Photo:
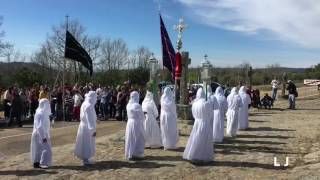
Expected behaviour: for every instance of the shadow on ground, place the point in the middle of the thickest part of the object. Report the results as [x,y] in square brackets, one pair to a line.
[232,141]
[105,165]
[243,148]
[227,152]
[306,109]
[263,136]
[240,164]
[261,114]
[32,172]
[268,129]
[257,121]
[163,158]
[179,149]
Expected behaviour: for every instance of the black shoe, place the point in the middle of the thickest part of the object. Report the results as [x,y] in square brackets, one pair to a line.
[36,165]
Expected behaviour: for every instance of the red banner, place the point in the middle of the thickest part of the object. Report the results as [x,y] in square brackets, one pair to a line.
[178,68]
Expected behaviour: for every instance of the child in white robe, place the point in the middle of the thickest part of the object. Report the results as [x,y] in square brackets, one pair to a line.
[220,106]
[151,127]
[41,153]
[135,135]
[244,110]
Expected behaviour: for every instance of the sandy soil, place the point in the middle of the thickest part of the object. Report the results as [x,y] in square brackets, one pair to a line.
[273,133]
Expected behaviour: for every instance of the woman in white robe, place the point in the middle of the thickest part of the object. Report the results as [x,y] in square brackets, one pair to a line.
[86,138]
[199,146]
[168,120]
[135,134]
[41,154]
[151,127]
[220,106]
[244,110]
[234,103]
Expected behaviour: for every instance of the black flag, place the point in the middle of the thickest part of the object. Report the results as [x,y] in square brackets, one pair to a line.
[168,53]
[74,50]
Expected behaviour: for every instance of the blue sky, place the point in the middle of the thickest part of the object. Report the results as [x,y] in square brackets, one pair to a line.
[230,33]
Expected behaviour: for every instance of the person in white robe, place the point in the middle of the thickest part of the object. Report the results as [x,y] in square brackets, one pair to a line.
[41,153]
[234,103]
[135,134]
[243,122]
[86,138]
[151,127]
[220,106]
[168,120]
[210,98]
[200,146]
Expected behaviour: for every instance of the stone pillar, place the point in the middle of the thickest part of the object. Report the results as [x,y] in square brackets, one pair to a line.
[284,81]
[184,94]
[184,108]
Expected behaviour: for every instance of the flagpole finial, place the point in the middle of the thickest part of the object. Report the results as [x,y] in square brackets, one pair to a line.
[67,22]
[180,28]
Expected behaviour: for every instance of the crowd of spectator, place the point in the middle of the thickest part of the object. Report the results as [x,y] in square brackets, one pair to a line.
[21,103]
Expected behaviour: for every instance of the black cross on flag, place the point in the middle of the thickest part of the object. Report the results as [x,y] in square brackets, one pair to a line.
[74,50]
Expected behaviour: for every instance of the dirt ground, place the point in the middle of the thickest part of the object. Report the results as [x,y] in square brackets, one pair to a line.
[273,133]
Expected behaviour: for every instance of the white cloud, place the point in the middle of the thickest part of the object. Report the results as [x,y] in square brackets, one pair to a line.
[296,21]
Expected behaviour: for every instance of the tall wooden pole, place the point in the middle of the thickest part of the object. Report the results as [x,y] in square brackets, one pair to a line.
[63,78]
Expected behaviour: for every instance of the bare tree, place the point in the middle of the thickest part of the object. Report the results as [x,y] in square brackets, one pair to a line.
[8,54]
[92,45]
[274,70]
[133,60]
[106,51]
[143,56]
[114,54]
[6,49]
[121,53]
[51,52]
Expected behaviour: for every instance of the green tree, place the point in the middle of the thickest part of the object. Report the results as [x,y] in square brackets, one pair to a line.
[139,76]
[26,77]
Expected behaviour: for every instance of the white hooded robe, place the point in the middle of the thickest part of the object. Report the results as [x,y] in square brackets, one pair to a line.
[151,127]
[220,106]
[234,103]
[199,146]
[244,110]
[210,100]
[41,151]
[168,120]
[86,141]
[135,135]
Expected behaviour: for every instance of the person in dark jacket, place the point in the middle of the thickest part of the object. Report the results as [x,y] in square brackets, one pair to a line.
[16,109]
[112,102]
[267,101]
[121,104]
[293,93]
